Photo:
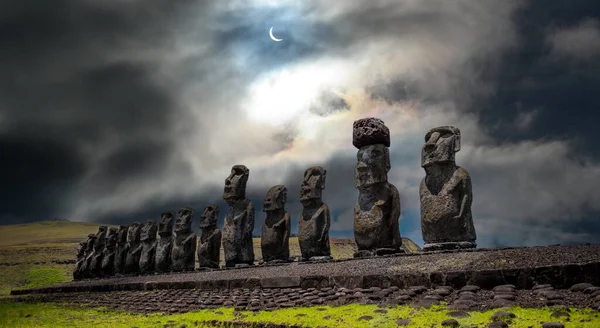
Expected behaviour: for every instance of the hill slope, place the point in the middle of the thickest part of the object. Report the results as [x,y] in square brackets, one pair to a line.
[45,232]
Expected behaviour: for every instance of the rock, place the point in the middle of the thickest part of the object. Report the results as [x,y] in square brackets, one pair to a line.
[591,290]
[450,323]
[458,314]
[510,297]
[275,236]
[445,223]
[239,220]
[542,286]
[552,325]
[441,292]
[164,244]
[183,253]
[580,287]
[134,249]
[418,289]
[122,249]
[315,220]
[498,324]
[559,314]
[503,315]
[365,317]
[377,211]
[148,240]
[209,247]
[470,288]
[380,311]
[402,322]
[504,288]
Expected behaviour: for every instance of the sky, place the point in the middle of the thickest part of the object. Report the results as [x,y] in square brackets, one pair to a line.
[115,111]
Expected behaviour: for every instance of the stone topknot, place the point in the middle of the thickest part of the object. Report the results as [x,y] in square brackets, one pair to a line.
[370,131]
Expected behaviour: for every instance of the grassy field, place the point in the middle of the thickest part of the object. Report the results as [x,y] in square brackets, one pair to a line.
[355,315]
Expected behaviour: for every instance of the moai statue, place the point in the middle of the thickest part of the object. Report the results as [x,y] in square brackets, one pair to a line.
[446,194]
[148,239]
[313,227]
[84,271]
[122,249]
[239,221]
[275,236]
[377,211]
[209,247]
[165,243]
[110,250]
[80,258]
[183,254]
[96,261]
[134,252]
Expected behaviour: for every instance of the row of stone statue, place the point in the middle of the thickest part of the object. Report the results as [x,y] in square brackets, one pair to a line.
[446,220]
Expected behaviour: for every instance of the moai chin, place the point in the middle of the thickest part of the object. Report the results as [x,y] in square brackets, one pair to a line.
[209,247]
[445,193]
[239,221]
[165,243]
[81,250]
[314,223]
[96,261]
[148,239]
[275,236]
[183,254]
[122,249]
[110,250]
[377,211]
[132,262]
[84,271]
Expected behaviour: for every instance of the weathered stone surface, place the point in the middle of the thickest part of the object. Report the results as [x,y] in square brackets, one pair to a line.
[81,256]
[110,250]
[370,131]
[183,254]
[164,245]
[239,221]
[280,282]
[148,239]
[132,262]
[275,236]
[445,193]
[377,210]
[122,249]
[209,247]
[315,220]
[95,265]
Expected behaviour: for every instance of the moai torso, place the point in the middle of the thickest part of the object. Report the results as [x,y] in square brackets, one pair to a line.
[377,211]
[239,221]
[275,236]
[445,193]
[148,240]
[165,243]
[314,223]
[122,249]
[209,247]
[80,258]
[183,254]
[96,260]
[108,257]
[132,262]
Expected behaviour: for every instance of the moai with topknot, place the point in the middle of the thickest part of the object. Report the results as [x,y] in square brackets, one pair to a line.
[275,236]
[239,221]
[314,223]
[209,247]
[445,193]
[183,254]
[377,211]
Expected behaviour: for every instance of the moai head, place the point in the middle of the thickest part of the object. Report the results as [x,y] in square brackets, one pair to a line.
[81,249]
[100,239]
[313,184]
[133,234]
[441,144]
[148,230]
[275,199]
[210,216]
[111,237]
[372,138]
[122,234]
[165,227]
[184,221]
[90,243]
[235,184]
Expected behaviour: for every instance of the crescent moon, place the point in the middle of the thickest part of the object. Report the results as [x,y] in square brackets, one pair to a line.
[271,35]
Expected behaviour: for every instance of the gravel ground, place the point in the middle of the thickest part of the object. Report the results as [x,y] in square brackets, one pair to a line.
[479,259]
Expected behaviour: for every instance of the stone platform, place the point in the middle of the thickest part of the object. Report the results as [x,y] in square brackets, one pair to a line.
[523,267]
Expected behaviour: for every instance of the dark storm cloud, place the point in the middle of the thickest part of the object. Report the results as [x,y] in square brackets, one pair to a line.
[70,100]
[328,103]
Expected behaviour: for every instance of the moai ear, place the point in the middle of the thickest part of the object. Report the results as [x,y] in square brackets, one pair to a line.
[456,140]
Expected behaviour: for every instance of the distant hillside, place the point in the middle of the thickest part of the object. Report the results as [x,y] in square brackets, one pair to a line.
[45,232]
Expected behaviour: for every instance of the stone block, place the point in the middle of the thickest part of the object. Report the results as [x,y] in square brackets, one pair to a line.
[314,282]
[280,282]
[376,280]
[349,282]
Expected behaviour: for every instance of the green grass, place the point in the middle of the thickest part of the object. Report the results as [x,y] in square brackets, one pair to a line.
[46,232]
[54,315]
[32,276]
